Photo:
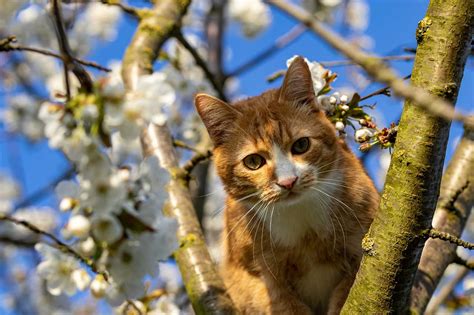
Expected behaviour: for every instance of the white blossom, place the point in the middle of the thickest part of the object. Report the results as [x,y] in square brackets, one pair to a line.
[340,125]
[106,228]
[99,20]
[146,103]
[8,193]
[357,15]
[165,305]
[87,247]
[78,226]
[42,217]
[253,15]
[344,98]
[21,115]
[62,273]
[363,134]
[99,287]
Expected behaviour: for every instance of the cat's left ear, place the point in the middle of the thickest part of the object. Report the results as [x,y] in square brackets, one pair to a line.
[217,115]
[297,87]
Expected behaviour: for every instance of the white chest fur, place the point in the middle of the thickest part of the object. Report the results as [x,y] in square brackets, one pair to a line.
[291,221]
[316,286]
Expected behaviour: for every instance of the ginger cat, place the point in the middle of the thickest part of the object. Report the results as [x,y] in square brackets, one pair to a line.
[298,205]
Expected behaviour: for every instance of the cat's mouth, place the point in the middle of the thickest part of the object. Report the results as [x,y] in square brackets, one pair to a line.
[290,195]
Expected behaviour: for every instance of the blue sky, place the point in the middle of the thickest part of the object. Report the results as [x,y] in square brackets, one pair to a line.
[392,27]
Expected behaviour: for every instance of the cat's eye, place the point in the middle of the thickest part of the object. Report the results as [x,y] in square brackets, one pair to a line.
[300,146]
[254,161]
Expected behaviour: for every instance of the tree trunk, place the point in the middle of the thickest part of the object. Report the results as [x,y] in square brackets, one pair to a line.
[454,207]
[394,242]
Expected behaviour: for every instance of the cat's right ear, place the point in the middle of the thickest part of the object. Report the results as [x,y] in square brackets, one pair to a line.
[217,116]
[297,86]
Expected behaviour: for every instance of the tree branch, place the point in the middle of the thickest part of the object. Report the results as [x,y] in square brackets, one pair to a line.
[202,64]
[280,43]
[379,71]
[338,63]
[7,44]
[134,12]
[63,247]
[382,91]
[449,238]
[194,161]
[452,211]
[204,286]
[66,54]
[468,263]
[446,290]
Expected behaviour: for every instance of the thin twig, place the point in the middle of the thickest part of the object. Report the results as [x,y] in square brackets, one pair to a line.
[382,91]
[202,64]
[183,145]
[375,68]
[194,161]
[63,247]
[338,63]
[449,238]
[446,290]
[134,12]
[131,303]
[279,44]
[67,56]
[41,192]
[8,44]
[468,263]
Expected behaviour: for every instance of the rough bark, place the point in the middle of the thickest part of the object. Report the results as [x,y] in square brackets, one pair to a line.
[453,208]
[393,244]
[204,286]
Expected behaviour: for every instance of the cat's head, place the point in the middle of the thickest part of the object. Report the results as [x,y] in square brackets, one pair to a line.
[272,147]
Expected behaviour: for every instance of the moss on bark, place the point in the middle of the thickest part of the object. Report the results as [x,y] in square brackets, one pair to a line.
[409,197]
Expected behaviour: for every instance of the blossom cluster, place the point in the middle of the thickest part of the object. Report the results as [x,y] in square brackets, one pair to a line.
[31,24]
[253,15]
[115,210]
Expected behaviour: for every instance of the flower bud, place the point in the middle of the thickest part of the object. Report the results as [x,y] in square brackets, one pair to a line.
[67,204]
[87,247]
[340,125]
[98,287]
[78,226]
[345,107]
[80,278]
[344,98]
[363,134]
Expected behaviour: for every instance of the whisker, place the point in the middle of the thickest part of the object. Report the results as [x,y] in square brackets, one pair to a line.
[242,217]
[238,200]
[271,236]
[261,241]
[327,206]
[257,224]
[340,202]
[337,185]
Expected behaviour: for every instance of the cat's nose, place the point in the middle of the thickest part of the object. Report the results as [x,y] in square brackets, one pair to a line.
[287,182]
